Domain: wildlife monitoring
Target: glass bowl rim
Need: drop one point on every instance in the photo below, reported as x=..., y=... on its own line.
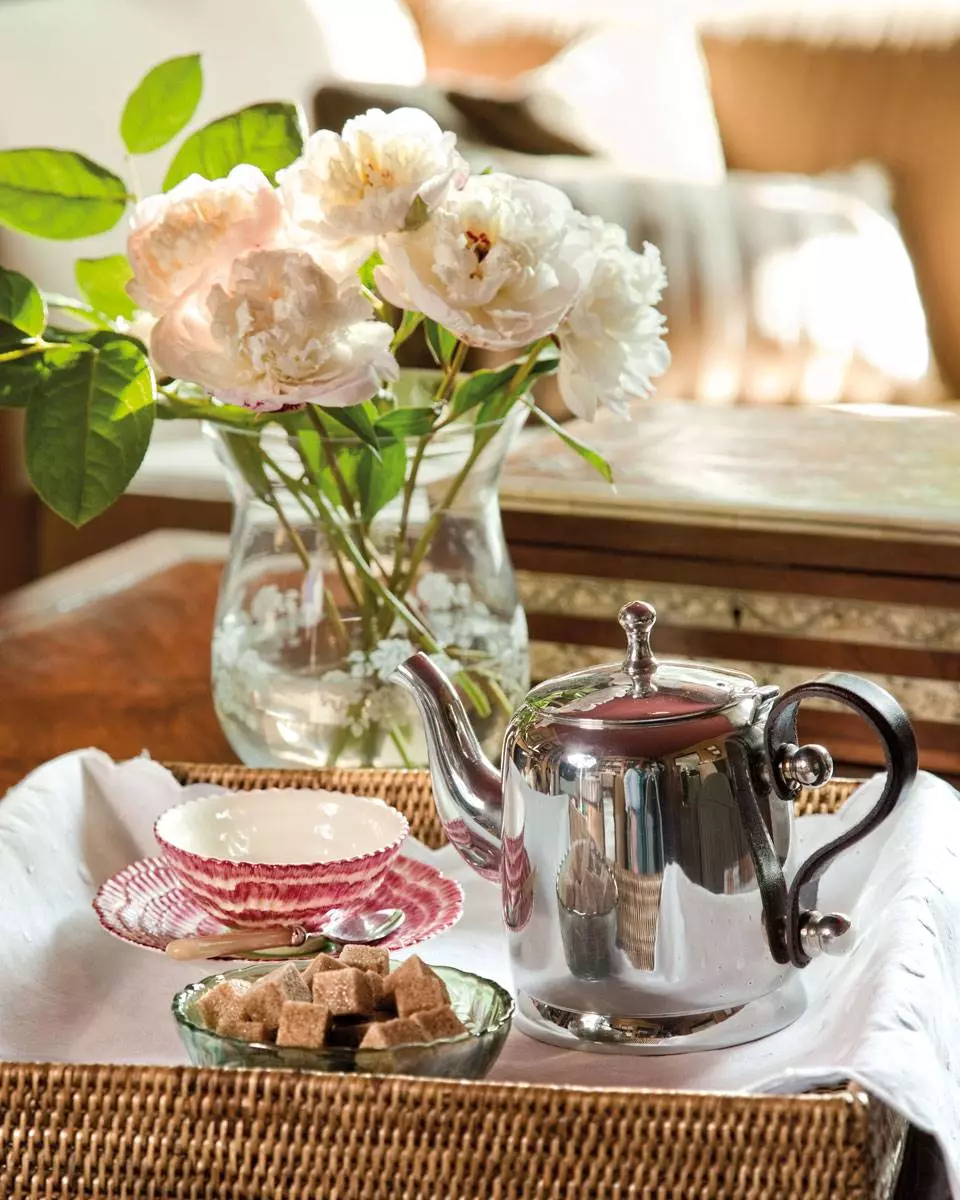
x=182, y=998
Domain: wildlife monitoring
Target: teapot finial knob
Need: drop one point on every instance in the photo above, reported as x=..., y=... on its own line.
x=637, y=620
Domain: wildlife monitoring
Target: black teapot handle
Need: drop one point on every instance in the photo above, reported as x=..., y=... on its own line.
x=794, y=767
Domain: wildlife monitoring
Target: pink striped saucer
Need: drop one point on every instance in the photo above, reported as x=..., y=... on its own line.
x=145, y=904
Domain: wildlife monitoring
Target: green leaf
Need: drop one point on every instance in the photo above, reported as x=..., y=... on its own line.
x=182, y=400
x=21, y=379
x=441, y=341
x=89, y=430
x=12, y=338
x=58, y=194
x=103, y=282
x=357, y=420
x=320, y=474
x=245, y=452
x=21, y=304
x=482, y=386
x=268, y=136
x=367, y=270
x=597, y=461
x=380, y=479
x=407, y=422
x=74, y=308
x=161, y=104
x=409, y=323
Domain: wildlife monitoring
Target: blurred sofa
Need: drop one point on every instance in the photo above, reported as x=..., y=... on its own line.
x=785, y=105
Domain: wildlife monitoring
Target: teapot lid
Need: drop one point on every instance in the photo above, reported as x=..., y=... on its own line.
x=640, y=688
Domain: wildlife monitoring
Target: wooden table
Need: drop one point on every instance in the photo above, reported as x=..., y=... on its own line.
x=113, y=653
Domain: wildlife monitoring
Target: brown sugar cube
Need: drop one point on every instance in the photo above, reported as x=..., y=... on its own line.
x=441, y=1022
x=391, y=1033
x=323, y=962
x=376, y=987
x=246, y=1031
x=303, y=1024
x=413, y=968
x=345, y=993
x=268, y=995
x=417, y=995
x=223, y=1001
x=350, y=1031
x=367, y=958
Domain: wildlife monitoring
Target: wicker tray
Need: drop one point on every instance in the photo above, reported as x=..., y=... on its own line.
x=177, y=1132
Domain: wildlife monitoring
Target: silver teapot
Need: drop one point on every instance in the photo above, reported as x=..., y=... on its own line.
x=640, y=830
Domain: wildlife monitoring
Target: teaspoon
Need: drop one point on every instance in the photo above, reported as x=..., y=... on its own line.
x=340, y=925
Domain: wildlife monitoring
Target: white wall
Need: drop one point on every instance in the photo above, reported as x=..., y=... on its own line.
x=67, y=66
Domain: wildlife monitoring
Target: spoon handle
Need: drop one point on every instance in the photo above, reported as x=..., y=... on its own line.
x=236, y=941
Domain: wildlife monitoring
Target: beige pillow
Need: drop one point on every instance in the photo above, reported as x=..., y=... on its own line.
x=782, y=289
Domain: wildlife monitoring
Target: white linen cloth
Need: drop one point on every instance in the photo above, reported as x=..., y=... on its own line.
x=886, y=1016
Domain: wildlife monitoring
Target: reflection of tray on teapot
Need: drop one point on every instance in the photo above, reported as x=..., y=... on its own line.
x=587, y=896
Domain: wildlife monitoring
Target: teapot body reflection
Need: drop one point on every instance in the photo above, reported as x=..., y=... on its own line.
x=640, y=830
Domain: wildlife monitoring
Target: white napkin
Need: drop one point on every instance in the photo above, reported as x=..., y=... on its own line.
x=886, y=1016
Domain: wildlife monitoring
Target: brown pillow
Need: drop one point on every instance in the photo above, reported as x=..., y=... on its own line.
x=477, y=119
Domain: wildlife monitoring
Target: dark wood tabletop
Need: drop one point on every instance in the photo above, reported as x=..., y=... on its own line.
x=114, y=653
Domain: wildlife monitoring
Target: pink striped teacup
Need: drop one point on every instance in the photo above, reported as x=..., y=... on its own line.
x=282, y=855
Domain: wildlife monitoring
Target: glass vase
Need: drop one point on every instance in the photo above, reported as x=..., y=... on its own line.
x=332, y=582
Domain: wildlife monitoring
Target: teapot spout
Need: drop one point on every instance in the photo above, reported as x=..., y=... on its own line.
x=465, y=785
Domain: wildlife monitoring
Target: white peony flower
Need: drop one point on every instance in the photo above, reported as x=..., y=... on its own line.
x=612, y=340
x=364, y=182
x=499, y=263
x=279, y=331
x=194, y=231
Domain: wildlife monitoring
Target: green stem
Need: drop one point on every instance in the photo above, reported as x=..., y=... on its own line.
x=368, y=745
x=368, y=611
x=440, y=397
x=433, y=524
x=493, y=685
x=338, y=744
x=451, y=373
x=406, y=329
x=295, y=539
x=481, y=438
x=24, y=351
x=296, y=488
x=330, y=455
x=404, y=750
x=378, y=306
x=132, y=168
x=408, y=493
x=339, y=629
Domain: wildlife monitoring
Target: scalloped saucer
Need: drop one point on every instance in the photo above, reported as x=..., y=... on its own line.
x=145, y=904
